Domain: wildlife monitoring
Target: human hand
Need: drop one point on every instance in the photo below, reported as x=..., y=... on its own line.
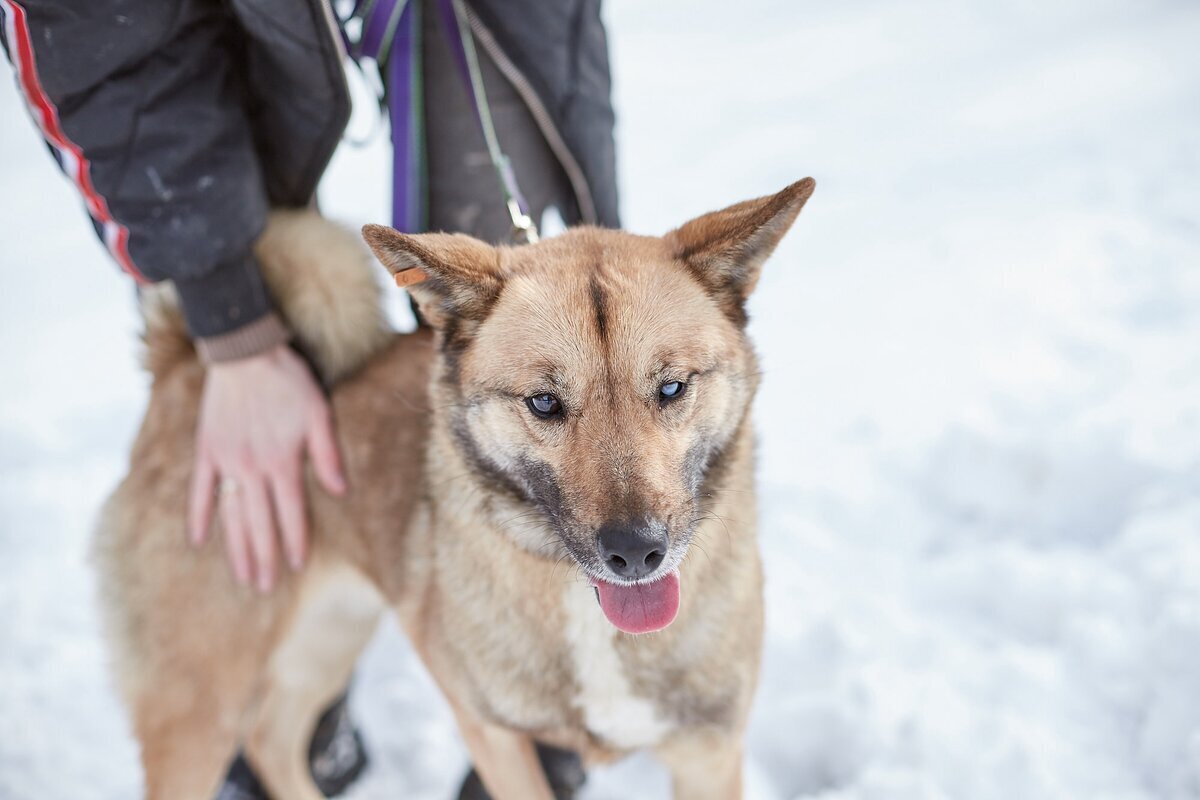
x=258, y=417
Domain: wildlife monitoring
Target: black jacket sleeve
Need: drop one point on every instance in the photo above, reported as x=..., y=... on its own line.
x=140, y=104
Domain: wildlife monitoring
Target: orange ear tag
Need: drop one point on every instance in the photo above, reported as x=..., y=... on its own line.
x=410, y=276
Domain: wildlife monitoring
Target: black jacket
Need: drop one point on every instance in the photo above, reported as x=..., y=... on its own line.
x=184, y=121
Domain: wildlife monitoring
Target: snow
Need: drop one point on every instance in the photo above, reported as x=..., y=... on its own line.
x=980, y=417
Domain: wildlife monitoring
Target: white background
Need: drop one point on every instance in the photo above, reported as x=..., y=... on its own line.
x=980, y=420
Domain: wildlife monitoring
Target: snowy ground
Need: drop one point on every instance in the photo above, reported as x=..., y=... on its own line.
x=980, y=419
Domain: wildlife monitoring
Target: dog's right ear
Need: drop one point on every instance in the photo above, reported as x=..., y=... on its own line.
x=462, y=274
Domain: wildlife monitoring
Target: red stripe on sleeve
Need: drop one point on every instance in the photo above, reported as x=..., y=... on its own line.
x=116, y=235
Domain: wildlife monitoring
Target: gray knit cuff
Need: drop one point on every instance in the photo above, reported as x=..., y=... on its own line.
x=259, y=336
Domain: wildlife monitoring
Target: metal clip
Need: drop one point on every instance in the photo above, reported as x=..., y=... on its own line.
x=524, y=230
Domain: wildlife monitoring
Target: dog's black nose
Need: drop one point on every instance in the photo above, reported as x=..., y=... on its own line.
x=632, y=549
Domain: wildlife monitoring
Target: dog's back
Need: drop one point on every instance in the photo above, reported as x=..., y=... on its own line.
x=187, y=642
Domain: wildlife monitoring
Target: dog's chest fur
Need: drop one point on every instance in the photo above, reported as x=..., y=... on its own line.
x=611, y=708
x=556, y=667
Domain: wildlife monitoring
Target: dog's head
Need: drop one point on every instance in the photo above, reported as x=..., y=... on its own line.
x=599, y=376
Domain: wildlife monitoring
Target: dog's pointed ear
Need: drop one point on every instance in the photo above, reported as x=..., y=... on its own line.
x=461, y=274
x=726, y=249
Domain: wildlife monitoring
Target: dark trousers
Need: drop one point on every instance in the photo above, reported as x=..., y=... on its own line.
x=464, y=192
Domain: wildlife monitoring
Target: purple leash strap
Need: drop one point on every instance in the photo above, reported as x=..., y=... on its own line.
x=388, y=32
x=405, y=113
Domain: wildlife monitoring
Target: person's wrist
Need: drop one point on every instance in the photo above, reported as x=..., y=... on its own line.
x=262, y=335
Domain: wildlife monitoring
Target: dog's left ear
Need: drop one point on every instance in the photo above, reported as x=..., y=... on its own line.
x=726, y=249
x=459, y=276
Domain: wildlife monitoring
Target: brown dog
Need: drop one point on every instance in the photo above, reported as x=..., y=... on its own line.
x=575, y=429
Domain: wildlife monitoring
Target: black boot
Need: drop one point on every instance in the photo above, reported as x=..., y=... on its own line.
x=563, y=770
x=336, y=758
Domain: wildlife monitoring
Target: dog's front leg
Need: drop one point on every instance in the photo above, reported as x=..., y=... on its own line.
x=704, y=765
x=506, y=760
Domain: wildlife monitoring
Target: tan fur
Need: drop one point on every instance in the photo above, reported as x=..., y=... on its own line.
x=448, y=520
x=319, y=275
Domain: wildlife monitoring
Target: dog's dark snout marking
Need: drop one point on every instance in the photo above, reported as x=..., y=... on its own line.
x=632, y=549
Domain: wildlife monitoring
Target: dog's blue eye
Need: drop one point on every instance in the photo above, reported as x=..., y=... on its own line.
x=544, y=405
x=671, y=390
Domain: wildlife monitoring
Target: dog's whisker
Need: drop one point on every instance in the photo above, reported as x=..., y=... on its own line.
x=450, y=479
x=725, y=526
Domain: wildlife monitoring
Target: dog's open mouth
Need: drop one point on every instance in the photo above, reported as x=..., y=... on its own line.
x=641, y=607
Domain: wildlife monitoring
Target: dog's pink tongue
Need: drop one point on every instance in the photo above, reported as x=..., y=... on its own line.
x=643, y=608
